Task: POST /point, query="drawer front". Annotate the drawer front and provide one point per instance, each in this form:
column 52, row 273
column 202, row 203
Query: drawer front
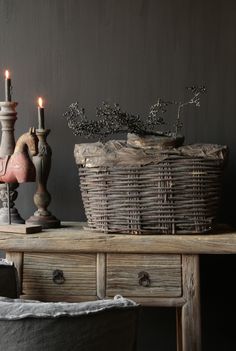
column 140, row 275
column 58, row 277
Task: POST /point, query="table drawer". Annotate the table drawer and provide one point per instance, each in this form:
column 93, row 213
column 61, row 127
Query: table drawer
column 144, row 275
column 54, row 277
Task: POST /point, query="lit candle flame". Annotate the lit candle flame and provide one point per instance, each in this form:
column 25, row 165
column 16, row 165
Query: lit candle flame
column 7, row 74
column 40, row 102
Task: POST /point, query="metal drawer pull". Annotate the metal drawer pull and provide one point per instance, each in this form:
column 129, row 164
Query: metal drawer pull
column 58, row 276
column 144, row 279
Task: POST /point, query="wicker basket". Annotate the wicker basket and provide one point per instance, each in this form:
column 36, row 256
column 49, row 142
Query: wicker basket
column 178, row 194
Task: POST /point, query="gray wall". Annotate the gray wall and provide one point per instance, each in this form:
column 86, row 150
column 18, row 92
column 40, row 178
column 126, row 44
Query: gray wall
column 131, row 52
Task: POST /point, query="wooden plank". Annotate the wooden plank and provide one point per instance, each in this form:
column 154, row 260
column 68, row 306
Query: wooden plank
column 123, row 275
column 188, row 318
column 159, row 301
column 20, row 228
column 90, row 242
column 79, row 272
column 59, row 298
column 101, row 275
column 127, row 260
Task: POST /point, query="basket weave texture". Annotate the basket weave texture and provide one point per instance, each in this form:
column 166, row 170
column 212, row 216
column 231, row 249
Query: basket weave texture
column 165, row 192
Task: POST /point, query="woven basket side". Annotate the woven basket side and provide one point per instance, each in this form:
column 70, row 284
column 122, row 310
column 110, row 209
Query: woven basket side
column 178, row 195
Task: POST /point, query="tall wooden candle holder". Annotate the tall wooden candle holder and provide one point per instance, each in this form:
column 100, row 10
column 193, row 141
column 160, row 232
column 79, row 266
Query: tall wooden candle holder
column 42, row 198
column 7, row 119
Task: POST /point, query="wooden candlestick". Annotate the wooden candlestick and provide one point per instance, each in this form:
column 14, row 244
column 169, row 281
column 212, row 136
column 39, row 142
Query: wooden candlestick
column 42, row 197
column 7, row 120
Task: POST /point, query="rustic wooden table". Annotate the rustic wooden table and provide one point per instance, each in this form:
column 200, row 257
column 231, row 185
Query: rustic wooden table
column 74, row 264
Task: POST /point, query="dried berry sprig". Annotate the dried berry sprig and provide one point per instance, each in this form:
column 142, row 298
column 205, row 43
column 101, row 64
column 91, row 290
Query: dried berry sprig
column 197, row 91
column 157, row 110
column 112, row 120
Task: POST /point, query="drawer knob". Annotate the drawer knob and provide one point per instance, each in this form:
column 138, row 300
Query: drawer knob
column 144, row 279
column 58, row 276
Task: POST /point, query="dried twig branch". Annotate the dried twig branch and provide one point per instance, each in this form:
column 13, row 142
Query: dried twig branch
column 112, row 120
column 197, row 91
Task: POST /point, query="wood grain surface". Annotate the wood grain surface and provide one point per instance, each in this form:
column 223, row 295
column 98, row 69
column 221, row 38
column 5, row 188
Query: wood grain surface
column 189, row 318
column 164, row 273
column 73, row 238
column 79, row 272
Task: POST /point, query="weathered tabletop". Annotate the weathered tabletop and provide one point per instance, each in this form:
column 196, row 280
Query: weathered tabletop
column 75, row 237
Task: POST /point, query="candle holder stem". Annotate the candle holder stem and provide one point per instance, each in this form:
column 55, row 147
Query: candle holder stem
column 42, row 197
column 7, row 120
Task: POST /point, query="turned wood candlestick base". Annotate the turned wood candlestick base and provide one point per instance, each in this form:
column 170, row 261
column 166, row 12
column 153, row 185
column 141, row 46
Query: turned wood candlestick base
column 42, row 198
column 7, row 120
column 4, row 212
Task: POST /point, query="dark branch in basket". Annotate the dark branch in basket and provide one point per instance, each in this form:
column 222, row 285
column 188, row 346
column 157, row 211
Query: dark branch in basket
column 111, row 119
column 195, row 99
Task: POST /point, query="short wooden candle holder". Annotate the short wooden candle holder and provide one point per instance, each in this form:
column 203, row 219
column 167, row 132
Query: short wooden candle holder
column 42, row 197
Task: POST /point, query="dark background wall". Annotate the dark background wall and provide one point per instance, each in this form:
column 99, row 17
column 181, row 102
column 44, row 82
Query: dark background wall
column 131, row 52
